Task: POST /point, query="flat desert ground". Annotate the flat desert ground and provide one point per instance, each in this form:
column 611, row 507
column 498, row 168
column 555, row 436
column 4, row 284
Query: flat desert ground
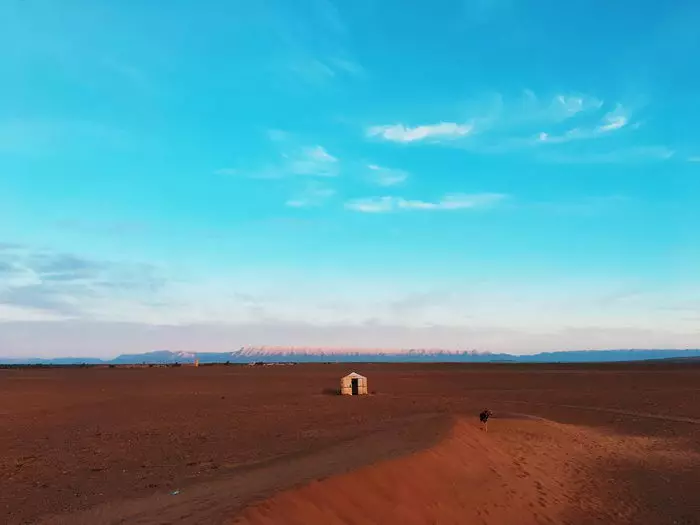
column 568, row 444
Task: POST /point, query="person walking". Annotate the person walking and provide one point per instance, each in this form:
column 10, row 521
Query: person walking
column 484, row 418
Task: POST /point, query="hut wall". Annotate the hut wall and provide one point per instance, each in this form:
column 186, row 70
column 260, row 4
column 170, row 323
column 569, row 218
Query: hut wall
column 362, row 386
column 346, row 385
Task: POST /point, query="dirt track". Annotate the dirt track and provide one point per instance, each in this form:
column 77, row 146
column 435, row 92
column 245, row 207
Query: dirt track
column 110, row 445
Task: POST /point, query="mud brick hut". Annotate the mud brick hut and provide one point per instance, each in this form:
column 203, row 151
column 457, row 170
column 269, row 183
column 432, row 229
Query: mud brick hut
column 353, row 384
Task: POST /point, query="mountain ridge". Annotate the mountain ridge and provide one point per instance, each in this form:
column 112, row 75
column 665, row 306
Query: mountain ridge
column 267, row 354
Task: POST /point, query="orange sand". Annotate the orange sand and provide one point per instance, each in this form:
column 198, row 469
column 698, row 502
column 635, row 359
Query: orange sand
column 521, row 472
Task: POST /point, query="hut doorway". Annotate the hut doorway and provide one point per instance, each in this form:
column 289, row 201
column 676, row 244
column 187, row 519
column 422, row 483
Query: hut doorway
column 353, row 385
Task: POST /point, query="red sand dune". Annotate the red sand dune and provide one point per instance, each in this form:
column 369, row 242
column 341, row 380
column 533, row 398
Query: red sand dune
column 522, row 472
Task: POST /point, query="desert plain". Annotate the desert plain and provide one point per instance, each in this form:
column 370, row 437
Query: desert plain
column 568, row 444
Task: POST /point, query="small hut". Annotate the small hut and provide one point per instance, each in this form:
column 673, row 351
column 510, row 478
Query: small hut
column 353, row 384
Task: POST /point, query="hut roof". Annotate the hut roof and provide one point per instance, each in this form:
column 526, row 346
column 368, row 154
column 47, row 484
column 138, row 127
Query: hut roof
column 354, row 375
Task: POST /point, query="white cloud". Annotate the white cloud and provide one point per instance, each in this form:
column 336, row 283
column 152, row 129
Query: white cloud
column 313, row 195
column 294, row 158
column 387, row 176
column 455, row 201
column 572, row 134
column 320, row 154
column 571, row 104
column 314, row 160
column 567, row 136
column 556, row 109
column 371, row 204
column 500, row 126
column 693, row 159
column 614, row 120
column 296, row 203
column 501, row 114
column 401, row 133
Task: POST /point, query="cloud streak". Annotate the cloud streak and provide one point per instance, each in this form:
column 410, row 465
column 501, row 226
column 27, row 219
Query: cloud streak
column 532, row 110
column 386, row 176
column 455, row 201
column 312, row 196
column 302, row 164
column 503, row 117
column 314, row 161
column 612, row 121
column 67, row 285
column 293, row 159
column 317, row 72
column 401, row 133
column 530, row 123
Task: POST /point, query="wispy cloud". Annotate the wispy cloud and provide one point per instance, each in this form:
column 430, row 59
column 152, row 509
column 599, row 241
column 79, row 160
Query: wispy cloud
column 530, row 123
column 501, row 118
column 532, row 109
column 312, row 71
column 455, row 201
column 315, row 71
column 386, row 176
column 372, row 204
column 301, row 165
column 310, row 42
column 320, row 154
column 693, row 159
column 614, row 120
column 313, row 160
column 401, row 133
column 313, row 195
column 293, row 159
column 571, row 105
column 68, row 285
column 620, row 156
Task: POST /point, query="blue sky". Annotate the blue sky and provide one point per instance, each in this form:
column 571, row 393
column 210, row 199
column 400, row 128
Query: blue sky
column 493, row 174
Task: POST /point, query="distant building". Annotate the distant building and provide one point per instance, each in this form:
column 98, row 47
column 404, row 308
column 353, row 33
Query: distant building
column 353, row 385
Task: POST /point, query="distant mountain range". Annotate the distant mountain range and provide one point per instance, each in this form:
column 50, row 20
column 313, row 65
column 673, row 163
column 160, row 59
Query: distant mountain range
column 320, row 355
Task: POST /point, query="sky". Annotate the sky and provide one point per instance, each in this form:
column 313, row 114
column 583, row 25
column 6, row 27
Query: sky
column 498, row 175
